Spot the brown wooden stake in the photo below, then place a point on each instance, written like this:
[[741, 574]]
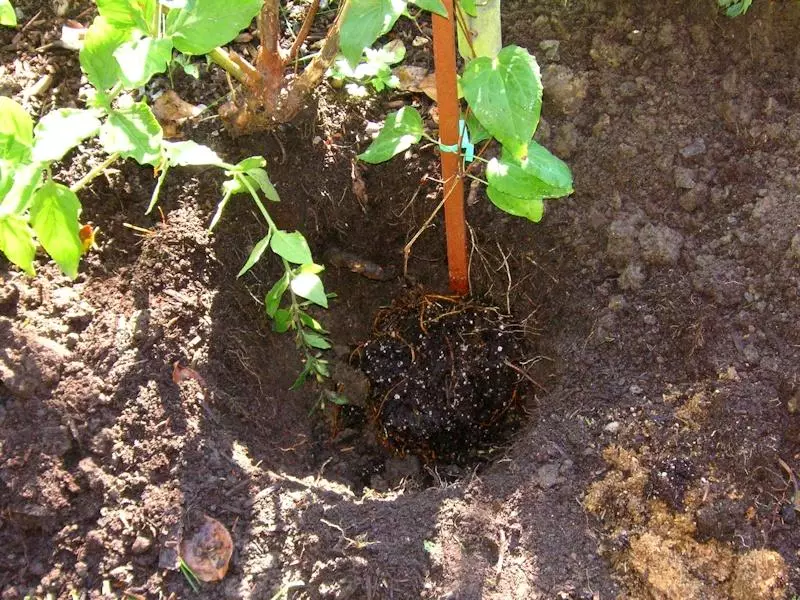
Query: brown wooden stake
[[444, 59]]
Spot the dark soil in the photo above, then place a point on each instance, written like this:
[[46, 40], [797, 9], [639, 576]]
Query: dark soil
[[659, 302], [444, 384]]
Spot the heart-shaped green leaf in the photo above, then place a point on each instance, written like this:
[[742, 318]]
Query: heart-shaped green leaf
[[291, 246], [16, 131], [134, 132], [309, 286], [505, 93], [205, 24], [434, 6], [400, 130], [255, 255], [540, 175], [54, 217], [59, 131], [97, 55], [531, 208], [7, 15], [16, 242], [140, 59], [126, 14], [365, 22]]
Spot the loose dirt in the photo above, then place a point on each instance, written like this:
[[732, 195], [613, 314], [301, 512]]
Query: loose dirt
[[659, 302]]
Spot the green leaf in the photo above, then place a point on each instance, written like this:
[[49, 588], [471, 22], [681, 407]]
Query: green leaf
[[505, 93], [54, 217], [311, 322], [190, 153], [309, 286], [301, 378], [469, 6], [205, 24], [134, 132], [126, 14], [477, 132], [7, 15], [434, 6], [97, 55], [140, 59], [16, 131], [735, 8], [315, 340], [390, 53], [540, 175], [282, 320], [23, 179], [273, 298], [365, 22], [400, 130], [260, 177], [531, 208], [291, 246], [253, 162], [61, 130], [16, 242], [255, 255]]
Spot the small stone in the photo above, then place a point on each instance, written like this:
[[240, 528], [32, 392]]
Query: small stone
[[63, 298], [635, 389], [649, 320], [696, 148], [684, 178], [616, 302], [11, 593], [72, 340], [81, 569], [613, 427], [550, 49], [141, 544], [548, 475], [694, 198], [751, 354]]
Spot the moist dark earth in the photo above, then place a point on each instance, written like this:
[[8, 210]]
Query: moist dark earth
[[658, 305]]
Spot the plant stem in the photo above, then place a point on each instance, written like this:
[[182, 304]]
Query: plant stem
[[303, 33], [223, 59], [97, 170], [444, 58]]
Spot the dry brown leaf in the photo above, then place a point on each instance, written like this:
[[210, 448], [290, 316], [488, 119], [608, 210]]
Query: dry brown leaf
[[172, 111], [416, 79], [358, 186], [208, 551], [180, 374]]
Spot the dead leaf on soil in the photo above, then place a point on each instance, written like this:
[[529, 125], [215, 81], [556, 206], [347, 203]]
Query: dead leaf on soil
[[180, 374], [416, 79], [172, 111], [358, 186], [208, 551]]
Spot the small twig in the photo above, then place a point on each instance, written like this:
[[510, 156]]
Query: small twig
[[303, 33], [360, 541], [793, 480], [511, 365], [502, 546], [508, 274]]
